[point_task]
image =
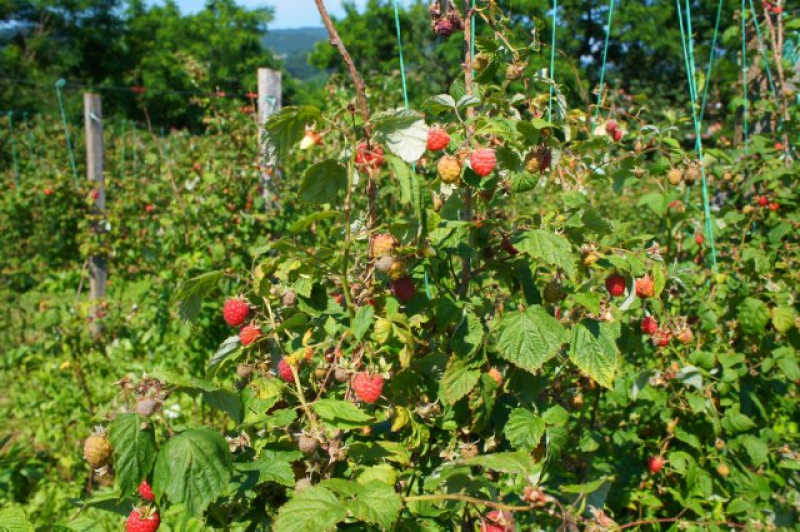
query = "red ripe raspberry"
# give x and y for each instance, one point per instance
(483, 161)
(149, 208)
(655, 463)
(495, 521)
(404, 289)
(48, 191)
(645, 287)
(249, 334)
(763, 201)
(649, 325)
(774, 206)
(368, 388)
(235, 311)
(142, 520)
(438, 139)
(369, 157)
(617, 135)
(661, 338)
(615, 284)
(611, 126)
(284, 371)
(699, 239)
(146, 492)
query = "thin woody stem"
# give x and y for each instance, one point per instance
(336, 41)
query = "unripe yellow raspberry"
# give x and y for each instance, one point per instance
(449, 169)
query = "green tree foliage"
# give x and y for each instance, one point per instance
(110, 44)
(644, 58)
(432, 63)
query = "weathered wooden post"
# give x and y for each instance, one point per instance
(98, 269)
(269, 102)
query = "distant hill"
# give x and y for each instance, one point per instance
(293, 46)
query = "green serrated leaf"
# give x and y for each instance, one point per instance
(376, 503)
(594, 350)
(284, 129)
(14, 520)
(314, 509)
(341, 414)
(735, 422)
(783, 318)
(460, 377)
(273, 466)
(191, 293)
(363, 321)
(193, 468)
(518, 463)
(524, 429)
(225, 349)
(402, 131)
(753, 316)
(134, 444)
(403, 174)
(323, 182)
(529, 339)
(659, 281)
(548, 248)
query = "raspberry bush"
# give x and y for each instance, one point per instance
(479, 319)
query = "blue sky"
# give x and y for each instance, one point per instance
(288, 13)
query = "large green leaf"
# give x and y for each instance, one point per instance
(402, 131)
(518, 463)
(753, 316)
(14, 520)
(364, 318)
(191, 293)
(285, 128)
(548, 248)
(323, 182)
(193, 468)
(460, 377)
(273, 466)
(341, 414)
(314, 509)
(467, 335)
(134, 446)
(594, 350)
(529, 339)
(376, 503)
(524, 429)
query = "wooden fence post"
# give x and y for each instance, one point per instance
(98, 269)
(269, 102)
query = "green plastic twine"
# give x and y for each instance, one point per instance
(605, 57)
(711, 61)
(688, 48)
(405, 101)
(59, 84)
(400, 53)
(744, 74)
(13, 148)
(553, 60)
(763, 50)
